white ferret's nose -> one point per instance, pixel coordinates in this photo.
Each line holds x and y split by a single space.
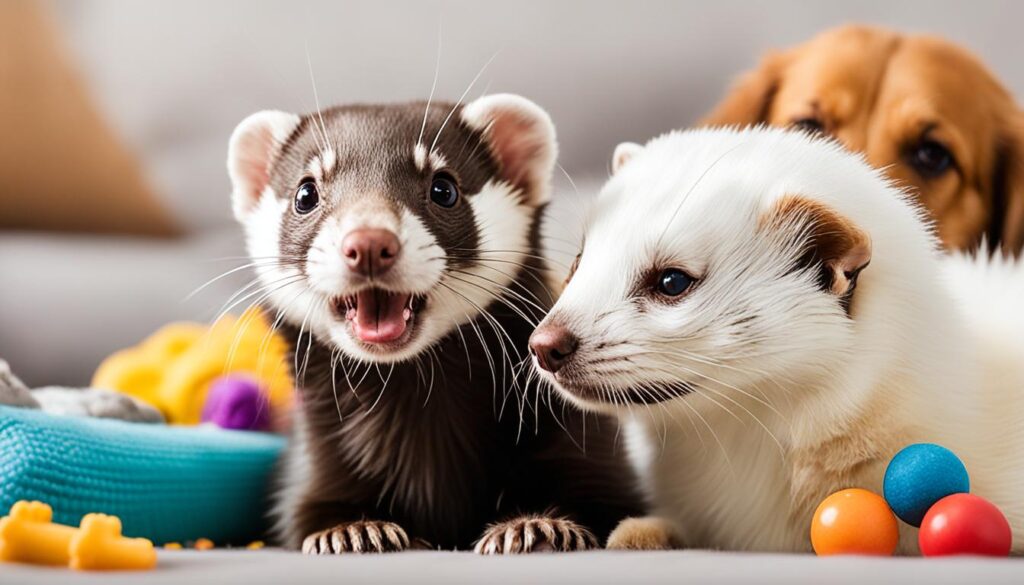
553 345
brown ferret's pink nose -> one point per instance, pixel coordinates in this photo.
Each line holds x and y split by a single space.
553 345
370 252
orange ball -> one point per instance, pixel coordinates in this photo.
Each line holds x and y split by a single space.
854 522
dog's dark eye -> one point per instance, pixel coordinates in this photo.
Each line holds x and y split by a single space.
306 198
930 158
809 125
443 191
674 282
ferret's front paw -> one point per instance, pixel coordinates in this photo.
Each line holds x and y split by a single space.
528 534
364 536
647 533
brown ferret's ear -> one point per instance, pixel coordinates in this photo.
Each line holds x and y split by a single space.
254 146
521 137
749 100
1006 228
831 242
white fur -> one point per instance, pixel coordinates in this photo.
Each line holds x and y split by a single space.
504 225
528 136
253 146
437 160
623 152
800 400
419 156
321 165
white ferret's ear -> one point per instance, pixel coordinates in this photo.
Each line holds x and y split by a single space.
522 137
254 146
831 240
623 152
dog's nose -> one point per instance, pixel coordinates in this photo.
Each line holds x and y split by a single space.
370 252
553 345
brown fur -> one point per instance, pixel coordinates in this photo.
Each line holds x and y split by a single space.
443 469
835 244
440 449
880 93
856 453
646 533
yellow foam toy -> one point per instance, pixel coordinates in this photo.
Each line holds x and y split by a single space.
173 368
99 546
28 535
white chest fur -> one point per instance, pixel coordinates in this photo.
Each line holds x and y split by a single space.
727 487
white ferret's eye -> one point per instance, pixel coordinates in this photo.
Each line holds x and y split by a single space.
306 197
674 282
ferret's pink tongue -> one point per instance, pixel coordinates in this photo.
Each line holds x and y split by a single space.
380 316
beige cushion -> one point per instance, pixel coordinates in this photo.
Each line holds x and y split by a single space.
61 167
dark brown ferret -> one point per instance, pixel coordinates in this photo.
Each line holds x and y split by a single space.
397 248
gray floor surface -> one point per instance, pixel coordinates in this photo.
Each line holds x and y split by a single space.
590 568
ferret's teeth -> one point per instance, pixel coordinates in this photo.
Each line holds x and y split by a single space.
350 314
407 314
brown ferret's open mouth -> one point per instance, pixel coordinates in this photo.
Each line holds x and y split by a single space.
380 317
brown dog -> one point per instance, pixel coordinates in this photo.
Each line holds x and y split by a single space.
923 109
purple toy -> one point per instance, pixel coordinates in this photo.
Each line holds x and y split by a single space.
237 402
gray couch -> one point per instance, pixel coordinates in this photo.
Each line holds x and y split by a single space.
175 76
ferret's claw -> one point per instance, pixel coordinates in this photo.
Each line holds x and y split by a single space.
364 536
528 534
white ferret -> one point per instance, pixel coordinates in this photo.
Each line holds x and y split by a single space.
773 321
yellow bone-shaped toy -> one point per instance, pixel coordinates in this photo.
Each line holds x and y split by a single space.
98 545
28 535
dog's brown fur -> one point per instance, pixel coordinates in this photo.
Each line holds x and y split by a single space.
883 93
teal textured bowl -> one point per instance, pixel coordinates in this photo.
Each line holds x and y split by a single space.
166 483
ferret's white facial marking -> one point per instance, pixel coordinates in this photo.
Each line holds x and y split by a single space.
454 299
322 165
419 156
504 231
282 278
418 270
438 160
384 258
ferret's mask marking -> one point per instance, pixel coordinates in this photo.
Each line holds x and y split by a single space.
371 173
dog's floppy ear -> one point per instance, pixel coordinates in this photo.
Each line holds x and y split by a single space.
521 137
1007 218
252 150
749 100
831 242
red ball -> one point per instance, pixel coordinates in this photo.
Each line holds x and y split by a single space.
964 524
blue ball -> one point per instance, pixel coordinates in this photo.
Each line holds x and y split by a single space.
920 475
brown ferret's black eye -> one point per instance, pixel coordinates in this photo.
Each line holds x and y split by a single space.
306 198
443 191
